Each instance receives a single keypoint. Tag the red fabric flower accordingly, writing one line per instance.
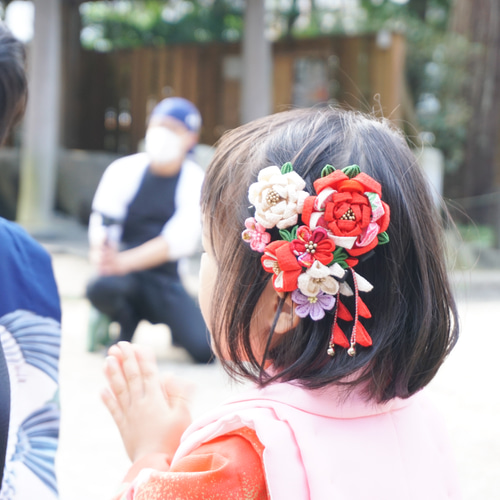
(279, 260)
(350, 209)
(312, 245)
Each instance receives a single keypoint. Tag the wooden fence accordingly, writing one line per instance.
(118, 90)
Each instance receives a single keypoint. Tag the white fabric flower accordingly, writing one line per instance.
(278, 198)
(317, 279)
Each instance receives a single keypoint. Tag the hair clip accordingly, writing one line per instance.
(321, 238)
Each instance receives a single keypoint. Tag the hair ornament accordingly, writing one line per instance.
(311, 243)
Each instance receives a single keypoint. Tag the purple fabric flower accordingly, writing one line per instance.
(312, 306)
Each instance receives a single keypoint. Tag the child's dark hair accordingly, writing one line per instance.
(414, 323)
(13, 86)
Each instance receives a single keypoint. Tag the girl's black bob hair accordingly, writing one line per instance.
(414, 324)
(13, 85)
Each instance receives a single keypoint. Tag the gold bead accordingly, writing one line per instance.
(351, 351)
(331, 351)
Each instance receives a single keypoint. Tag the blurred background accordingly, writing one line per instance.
(96, 70)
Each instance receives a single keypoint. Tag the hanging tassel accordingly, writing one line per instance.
(362, 336)
(364, 312)
(359, 334)
(339, 337)
(343, 313)
(352, 350)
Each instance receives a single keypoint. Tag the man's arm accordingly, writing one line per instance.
(182, 231)
(150, 254)
(115, 191)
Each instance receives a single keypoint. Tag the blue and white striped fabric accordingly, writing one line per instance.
(30, 334)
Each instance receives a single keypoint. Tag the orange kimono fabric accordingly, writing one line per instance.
(229, 467)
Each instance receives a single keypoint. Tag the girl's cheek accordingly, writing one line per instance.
(208, 276)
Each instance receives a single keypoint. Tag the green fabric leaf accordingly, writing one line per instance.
(285, 235)
(383, 238)
(339, 254)
(351, 171)
(286, 168)
(289, 235)
(339, 257)
(327, 170)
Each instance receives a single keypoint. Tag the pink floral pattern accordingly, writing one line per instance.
(256, 235)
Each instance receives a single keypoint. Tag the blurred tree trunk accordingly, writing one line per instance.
(479, 22)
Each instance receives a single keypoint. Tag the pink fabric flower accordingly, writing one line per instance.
(314, 307)
(256, 235)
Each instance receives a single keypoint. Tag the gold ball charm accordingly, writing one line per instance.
(331, 351)
(351, 351)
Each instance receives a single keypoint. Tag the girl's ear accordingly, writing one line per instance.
(267, 307)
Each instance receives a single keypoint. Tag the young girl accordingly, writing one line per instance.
(322, 281)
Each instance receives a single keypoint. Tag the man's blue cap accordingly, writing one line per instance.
(181, 109)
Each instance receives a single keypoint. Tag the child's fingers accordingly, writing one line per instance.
(112, 405)
(131, 371)
(116, 380)
(142, 351)
(149, 368)
(115, 351)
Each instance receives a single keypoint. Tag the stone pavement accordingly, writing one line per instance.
(92, 461)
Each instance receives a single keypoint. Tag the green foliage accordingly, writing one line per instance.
(129, 24)
(436, 62)
(436, 59)
(437, 75)
(480, 236)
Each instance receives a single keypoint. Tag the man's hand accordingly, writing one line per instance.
(113, 263)
(110, 262)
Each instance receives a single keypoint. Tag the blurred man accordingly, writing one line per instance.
(145, 217)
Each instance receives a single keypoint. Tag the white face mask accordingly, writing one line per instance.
(162, 145)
